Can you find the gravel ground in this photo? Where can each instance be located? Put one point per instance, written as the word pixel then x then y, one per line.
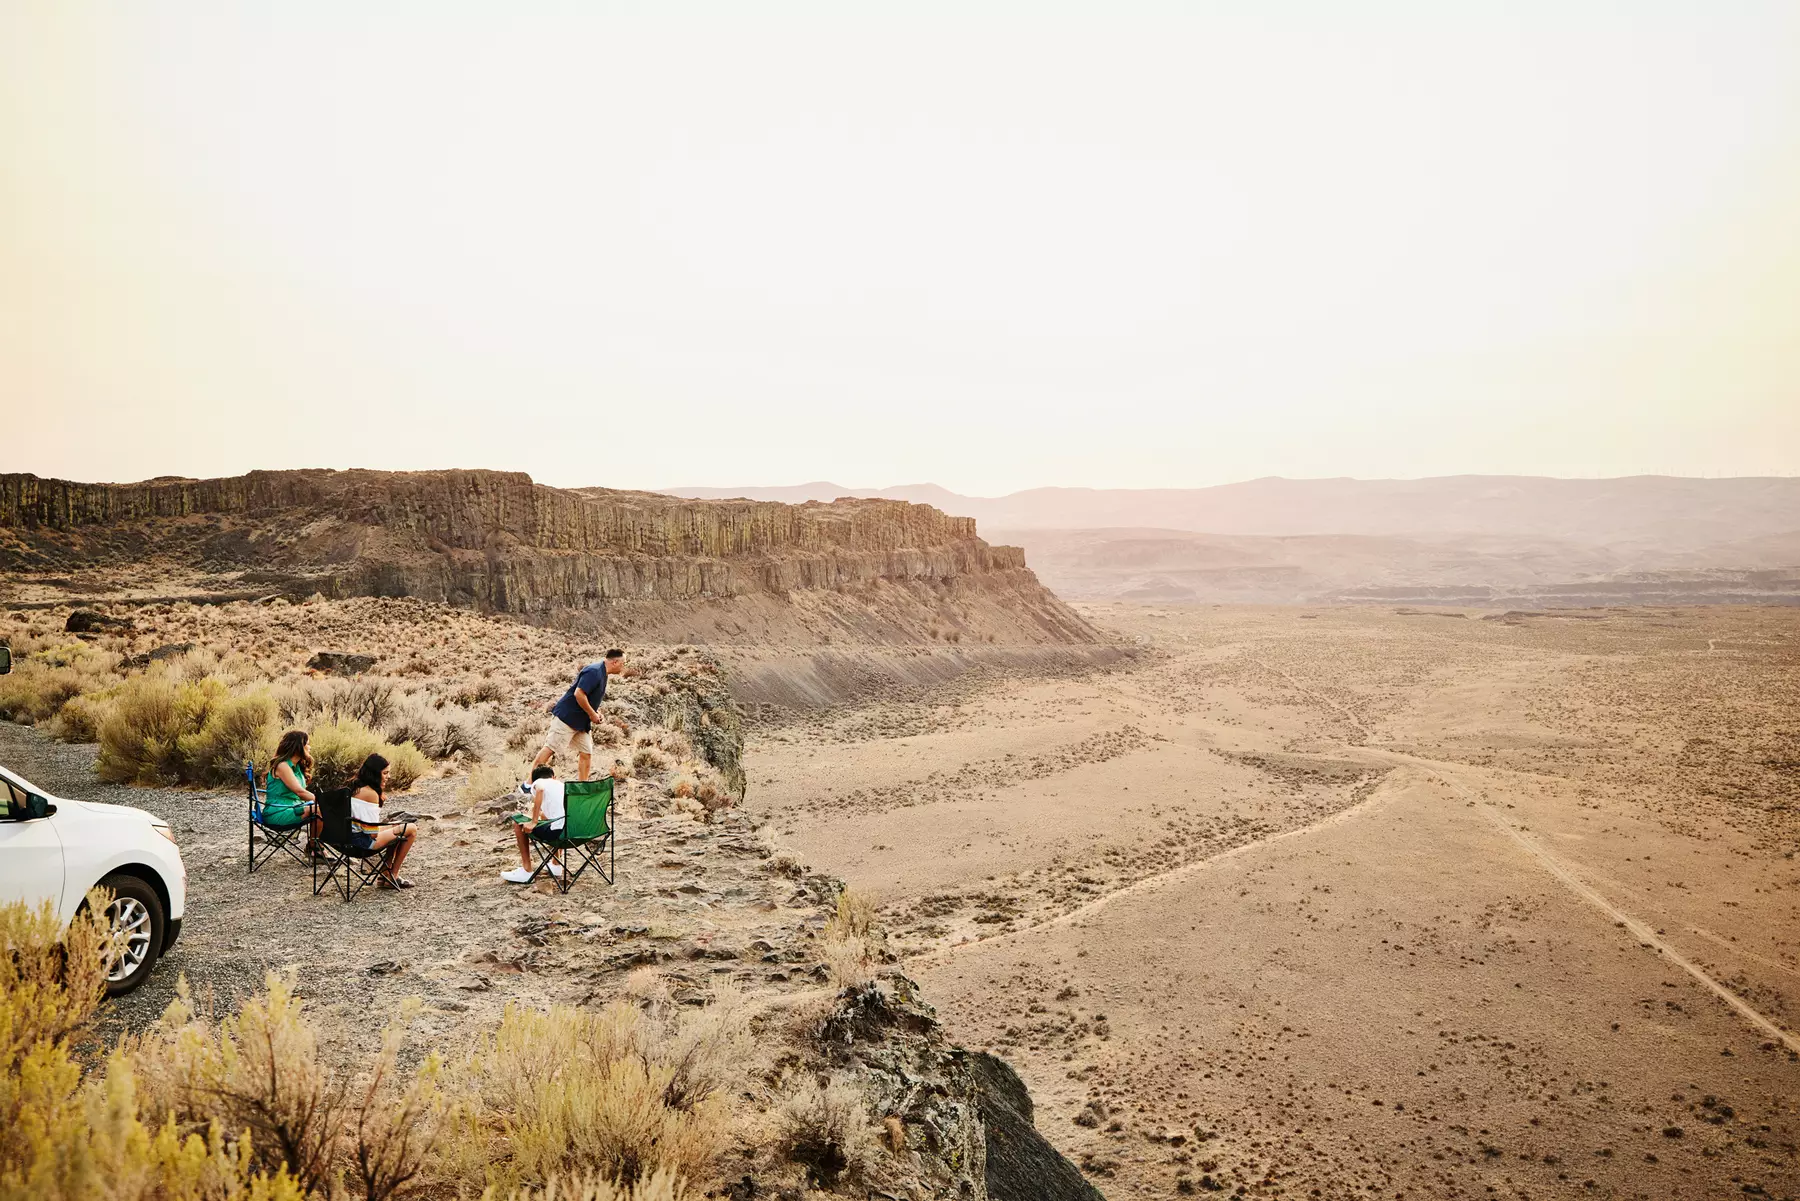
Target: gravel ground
pixel 702 902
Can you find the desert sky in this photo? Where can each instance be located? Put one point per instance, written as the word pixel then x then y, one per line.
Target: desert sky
pixel 991 245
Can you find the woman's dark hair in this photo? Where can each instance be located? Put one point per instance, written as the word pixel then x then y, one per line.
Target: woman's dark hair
pixel 542 773
pixel 369 774
pixel 293 746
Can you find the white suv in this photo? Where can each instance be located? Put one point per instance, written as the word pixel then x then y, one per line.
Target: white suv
pixel 54 849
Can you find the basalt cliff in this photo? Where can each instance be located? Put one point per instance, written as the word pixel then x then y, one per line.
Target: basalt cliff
pixel 855 572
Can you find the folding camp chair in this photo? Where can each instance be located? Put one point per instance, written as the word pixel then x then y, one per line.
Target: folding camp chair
pixel 276 836
pixel 350 867
pixel 586 839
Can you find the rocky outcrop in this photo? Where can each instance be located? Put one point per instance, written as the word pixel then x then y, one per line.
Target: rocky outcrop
pixel 498 541
pixel 1021 1163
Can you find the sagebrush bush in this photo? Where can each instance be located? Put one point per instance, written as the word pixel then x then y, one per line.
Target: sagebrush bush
pixel 649 760
pixel 339 748
pixel 378 706
pixel 260 1073
pixel 633 1093
pixel 35 692
pixel 80 718
pixel 155 731
pixel 237 730
pixel 66 1138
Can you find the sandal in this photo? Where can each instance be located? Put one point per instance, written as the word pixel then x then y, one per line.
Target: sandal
pixel 393 882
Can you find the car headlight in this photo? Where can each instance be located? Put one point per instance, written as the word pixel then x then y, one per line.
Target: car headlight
pixel 163 830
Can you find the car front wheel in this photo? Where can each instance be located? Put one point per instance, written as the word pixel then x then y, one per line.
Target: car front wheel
pixel 135 921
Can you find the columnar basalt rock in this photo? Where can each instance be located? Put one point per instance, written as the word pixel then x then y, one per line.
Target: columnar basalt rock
pixel 499 541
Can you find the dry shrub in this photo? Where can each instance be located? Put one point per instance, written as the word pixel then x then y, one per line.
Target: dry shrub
pixel 339 748
pixel 260 1074
pixel 36 692
pixel 825 1128
pixel 80 718
pixel 237 730
pixel 632 1093
pixel 158 732
pixel 63 1138
pixel 649 760
pixel 406 763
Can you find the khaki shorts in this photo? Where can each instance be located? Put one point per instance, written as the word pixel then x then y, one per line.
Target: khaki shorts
pixel 561 738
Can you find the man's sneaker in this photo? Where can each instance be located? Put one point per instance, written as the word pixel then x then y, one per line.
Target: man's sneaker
pixel 517 875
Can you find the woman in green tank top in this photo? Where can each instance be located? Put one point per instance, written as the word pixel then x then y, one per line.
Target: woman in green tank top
pixel 286 802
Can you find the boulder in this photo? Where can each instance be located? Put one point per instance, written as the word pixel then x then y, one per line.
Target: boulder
pixel 88 621
pixel 166 651
pixel 1021 1164
pixel 341 663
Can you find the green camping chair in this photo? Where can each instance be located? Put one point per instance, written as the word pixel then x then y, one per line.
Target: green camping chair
pixel 586 839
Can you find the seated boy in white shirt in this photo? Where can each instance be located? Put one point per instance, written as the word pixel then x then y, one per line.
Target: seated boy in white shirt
pixel 544 822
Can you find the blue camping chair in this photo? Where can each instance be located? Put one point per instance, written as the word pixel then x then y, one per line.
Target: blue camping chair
pixel 277 837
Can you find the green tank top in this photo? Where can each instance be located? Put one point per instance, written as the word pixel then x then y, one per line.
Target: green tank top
pixel 279 802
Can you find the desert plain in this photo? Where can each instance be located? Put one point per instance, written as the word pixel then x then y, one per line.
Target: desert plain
pixel 1354 901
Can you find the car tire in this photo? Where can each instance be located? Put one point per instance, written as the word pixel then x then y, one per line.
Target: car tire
pixel 136 916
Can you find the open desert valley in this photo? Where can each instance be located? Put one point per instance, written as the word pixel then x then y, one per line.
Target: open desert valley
pixel 1345 902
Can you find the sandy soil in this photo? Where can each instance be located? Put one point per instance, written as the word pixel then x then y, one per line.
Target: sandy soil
pixel 1348 902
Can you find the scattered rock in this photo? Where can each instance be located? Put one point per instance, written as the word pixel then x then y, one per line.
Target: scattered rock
pixel 340 663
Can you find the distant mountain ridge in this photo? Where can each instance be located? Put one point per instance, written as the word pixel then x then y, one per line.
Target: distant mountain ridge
pixel 1667 513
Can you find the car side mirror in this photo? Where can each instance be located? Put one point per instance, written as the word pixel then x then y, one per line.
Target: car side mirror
pixel 37 806
pixel 5 660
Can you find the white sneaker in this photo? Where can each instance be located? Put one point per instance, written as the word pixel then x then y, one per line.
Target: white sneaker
pixel 517 875
pixel 555 868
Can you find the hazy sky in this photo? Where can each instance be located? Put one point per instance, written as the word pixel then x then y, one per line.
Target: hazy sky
pixel 988 245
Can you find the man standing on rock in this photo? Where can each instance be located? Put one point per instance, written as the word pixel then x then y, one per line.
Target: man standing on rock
pixel 572 718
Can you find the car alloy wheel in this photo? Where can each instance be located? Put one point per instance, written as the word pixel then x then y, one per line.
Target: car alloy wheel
pixel 131 929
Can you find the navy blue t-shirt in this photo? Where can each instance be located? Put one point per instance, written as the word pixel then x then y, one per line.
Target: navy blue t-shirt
pixel 592 681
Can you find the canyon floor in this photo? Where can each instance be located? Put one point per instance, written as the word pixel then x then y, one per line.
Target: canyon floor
pixel 1346 902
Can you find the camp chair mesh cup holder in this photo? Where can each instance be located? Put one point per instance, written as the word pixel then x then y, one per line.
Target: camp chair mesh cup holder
pixel 342 861
pixel 586 839
pixel 277 837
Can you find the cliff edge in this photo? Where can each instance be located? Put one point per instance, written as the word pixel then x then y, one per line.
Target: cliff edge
pixel 869 572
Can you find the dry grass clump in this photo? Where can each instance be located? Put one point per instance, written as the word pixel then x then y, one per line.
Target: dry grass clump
pixel 851 941
pixel 826 1129
pixel 658 1186
pixel 649 760
pixel 632 1093
pixel 491 781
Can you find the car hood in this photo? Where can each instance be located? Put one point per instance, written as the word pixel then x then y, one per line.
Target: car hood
pixel 102 809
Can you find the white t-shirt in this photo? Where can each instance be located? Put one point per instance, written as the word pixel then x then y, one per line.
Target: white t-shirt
pixel 551 793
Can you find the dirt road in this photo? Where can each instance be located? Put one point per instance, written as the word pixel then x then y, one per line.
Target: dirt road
pixel 1353 903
